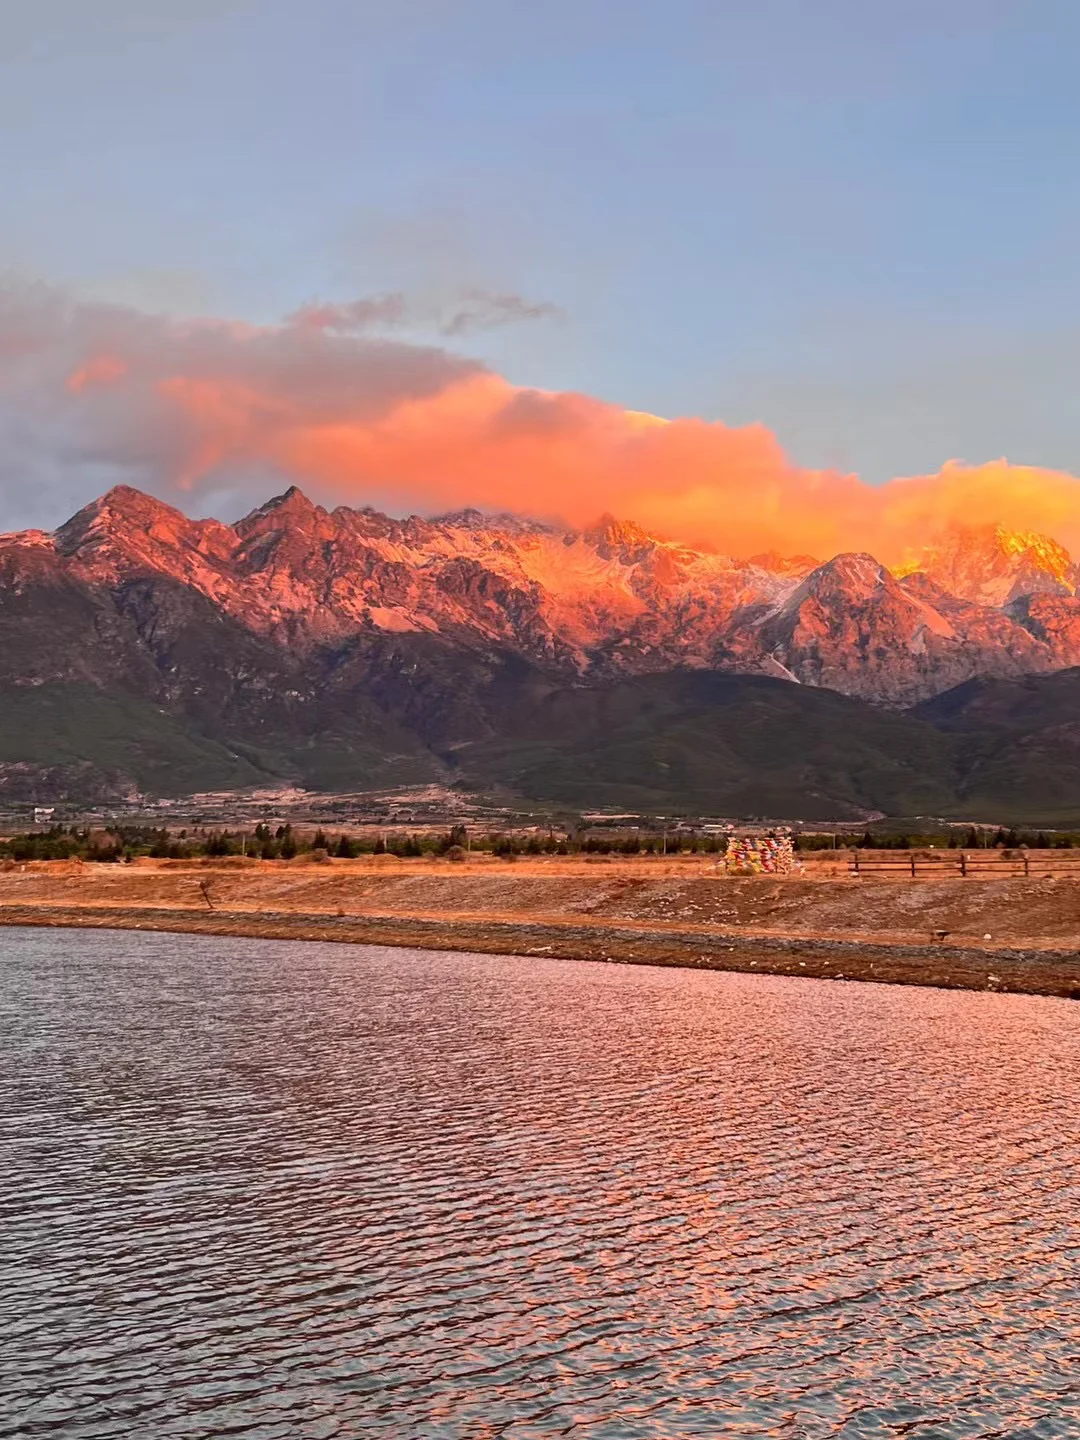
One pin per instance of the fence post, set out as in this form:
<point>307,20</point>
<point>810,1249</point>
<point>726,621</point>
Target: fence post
<point>963,863</point>
<point>912,858</point>
<point>856,862</point>
<point>1027,869</point>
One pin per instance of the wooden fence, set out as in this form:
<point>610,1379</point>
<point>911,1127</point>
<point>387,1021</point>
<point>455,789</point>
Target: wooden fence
<point>965,864</point>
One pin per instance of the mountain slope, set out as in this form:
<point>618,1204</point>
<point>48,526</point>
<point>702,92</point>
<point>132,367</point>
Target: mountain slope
<point>347,649</point>
<point>1018,744</point>
<point>725,744</point>
<point>601,603</point>
<point>990,565</point>
<point>195,673</point>
<point>77,742</point>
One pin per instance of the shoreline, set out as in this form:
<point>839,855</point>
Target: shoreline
<point>1005,969</point>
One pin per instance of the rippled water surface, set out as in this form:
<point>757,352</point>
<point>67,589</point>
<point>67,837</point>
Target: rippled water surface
<point>257,1189</point>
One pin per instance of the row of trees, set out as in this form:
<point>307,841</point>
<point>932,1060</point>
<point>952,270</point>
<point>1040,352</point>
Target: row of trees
<point>975,839</point>
<point>126,842</point>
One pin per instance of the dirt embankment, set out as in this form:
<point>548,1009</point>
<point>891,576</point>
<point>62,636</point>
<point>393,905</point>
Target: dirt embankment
<point>1004,934</point>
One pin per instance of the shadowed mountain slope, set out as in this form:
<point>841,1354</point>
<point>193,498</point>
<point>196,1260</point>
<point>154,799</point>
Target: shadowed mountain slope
<point>1018,744</point>
<point>722,744</point>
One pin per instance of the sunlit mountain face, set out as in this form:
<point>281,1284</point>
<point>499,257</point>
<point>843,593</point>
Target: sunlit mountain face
<point>145,652</point>
<point>605,601</point>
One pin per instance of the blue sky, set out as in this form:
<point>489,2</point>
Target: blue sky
<point>855,222</point>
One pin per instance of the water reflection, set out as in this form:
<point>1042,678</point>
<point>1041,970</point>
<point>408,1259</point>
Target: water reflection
<point>272,1190</point>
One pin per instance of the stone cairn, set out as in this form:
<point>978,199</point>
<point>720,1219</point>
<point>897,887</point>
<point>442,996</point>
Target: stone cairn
<point>772,852</point>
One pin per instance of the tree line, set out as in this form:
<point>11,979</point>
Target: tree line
<point>119,843</point>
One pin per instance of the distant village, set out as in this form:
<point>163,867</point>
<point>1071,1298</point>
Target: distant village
<point>433,820</point>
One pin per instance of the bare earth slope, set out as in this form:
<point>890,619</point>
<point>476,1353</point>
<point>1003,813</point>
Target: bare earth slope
<point>1018,935</point>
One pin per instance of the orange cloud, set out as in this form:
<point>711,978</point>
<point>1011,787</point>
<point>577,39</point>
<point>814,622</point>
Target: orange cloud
<point>1021,497</point>
<point>103,369</point>
<point>481,441</point>
<point>354,419</point>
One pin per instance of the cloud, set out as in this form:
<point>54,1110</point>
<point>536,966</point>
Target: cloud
<point>353,318</point>
<point>478,310</point>
<point>95,394</point>
<point>213,412</point>
<point>468,311</point>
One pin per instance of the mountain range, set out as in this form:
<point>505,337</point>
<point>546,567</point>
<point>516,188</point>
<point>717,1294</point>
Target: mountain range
<point>141,650</point>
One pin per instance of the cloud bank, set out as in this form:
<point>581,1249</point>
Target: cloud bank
<point>214,414</point>
<point>470,310</point>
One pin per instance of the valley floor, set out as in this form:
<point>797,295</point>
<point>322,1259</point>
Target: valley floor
<point>1012,934</point>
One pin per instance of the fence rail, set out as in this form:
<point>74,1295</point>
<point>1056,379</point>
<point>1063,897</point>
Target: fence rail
<point>963,864</point>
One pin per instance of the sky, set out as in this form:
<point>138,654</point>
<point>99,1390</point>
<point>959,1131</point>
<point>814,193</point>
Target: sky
<point>829,240</point>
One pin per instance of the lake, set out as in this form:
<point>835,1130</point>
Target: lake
<point>261,1189</point>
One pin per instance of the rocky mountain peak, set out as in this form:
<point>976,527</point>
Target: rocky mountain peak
<point>611,600</point>
<point>121,509</point>
<point>481,521</point>
<point>613,538</point>
<point>846,578</point>
<point>993,565</point>
<point>777,564</point>
<point>292,508</point>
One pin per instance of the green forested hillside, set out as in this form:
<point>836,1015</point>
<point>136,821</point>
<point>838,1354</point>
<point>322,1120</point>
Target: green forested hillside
<point>103,742</point>
<point>727,744</point>
<point>683,742</point>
